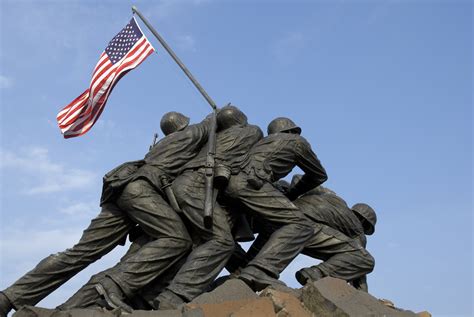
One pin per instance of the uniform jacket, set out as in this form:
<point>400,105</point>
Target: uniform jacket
<point>232,147</point>
<point>276,155</point>
<point>326,207</point>
<point>166,157</point>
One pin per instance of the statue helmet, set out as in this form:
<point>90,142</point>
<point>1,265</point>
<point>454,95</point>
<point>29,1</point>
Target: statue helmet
<point>173,121</point>
<point>282,124</point>
<point>368,214</point>
<point>230,116</point>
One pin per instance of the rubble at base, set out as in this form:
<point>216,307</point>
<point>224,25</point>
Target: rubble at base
<point>326,297</point>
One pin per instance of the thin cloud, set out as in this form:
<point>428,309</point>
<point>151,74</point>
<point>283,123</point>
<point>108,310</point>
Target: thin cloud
<point>379,12</point>
<point>40,242</point>
<point>47,176</point>
<point>80,209</point>
<point>5,82</point>
<point>166,9</point>
<point>26,247</point>
<point>186,42</point>
<point>23,248</point>
<point>287,48</point>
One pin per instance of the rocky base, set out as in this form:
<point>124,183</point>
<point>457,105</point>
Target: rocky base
<point>326,297</point>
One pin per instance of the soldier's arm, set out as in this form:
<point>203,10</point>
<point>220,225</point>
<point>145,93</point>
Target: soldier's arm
<point>200,131</point>
<point>315,174</point>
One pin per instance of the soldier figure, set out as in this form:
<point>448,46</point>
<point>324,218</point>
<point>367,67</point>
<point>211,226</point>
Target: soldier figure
<point>132,195</point>
<point>270,159</point>
<point>235,137</point>
<point>338,240</point>
<point>154,197</point>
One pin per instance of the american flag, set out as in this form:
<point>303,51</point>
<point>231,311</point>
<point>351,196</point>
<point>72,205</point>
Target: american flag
<point>126,51</point>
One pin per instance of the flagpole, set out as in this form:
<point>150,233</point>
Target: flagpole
<point>210,194</point>
<point>176,59</point>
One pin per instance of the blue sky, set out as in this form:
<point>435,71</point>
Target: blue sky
<point>381,89</point>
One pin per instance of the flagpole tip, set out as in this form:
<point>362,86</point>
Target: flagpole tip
<point>134,9</point>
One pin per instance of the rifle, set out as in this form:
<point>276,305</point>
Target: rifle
<point>209,172</point>
<point>155,136</point>
<point>166,188</point>
<point>210,195</point>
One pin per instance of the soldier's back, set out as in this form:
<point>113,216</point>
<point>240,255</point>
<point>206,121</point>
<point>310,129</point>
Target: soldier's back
<point>331,210</point>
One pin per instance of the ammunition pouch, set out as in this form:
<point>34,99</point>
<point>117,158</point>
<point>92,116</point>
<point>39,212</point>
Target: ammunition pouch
<point>222,175</point>
<point>115,180</point>
<point>255,183</point>
<point>122,173</point>
<point>257,177</point>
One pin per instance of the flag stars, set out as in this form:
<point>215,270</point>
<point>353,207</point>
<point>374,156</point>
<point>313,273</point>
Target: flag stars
<point>123,42</point>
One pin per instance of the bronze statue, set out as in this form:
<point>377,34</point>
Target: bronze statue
<point>131,194</point>
<point>175,255</point>
<point>235,137</point>
<point>180,204</point>
<point>338,239</point>
<point>270,159</point>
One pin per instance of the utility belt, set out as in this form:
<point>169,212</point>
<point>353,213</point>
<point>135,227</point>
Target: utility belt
<point>222,174</point>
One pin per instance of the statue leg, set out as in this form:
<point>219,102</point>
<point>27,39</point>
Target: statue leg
<point>87,295</point>
<point>104,233</point>
<point>171,240</point>
<point>150,292</point>
<point>343,257</point>
<point>216,244</point>
<point>292,229</point>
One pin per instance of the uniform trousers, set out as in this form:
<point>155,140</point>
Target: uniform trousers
<point>292,228</point>
<point>213,245</point>
<point>139,204</point>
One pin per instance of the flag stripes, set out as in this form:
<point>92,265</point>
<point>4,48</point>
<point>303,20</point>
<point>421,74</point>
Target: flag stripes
<point>127,50</point>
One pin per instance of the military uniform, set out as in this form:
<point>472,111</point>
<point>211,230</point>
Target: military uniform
<point>215,245</point>
<point>87,295</point>
<point>131,195</point>
<point>269,160</point>
<point>338,239</point>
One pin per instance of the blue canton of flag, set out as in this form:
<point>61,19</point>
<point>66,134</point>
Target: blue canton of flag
<point>123,42</point>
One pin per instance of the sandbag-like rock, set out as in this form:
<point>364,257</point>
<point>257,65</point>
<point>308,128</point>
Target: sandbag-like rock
<point>231,290</point>
<point>222,309</point>
<point>333,298</point>
<point>262,307</point>
<point>285,304</point>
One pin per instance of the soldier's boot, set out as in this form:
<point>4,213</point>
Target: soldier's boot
<point>168,300</point>
<point>257,279</point>
<point>112,294</point>
<point>309,274</point>
<point>5,305</point>
<point>360,283</point>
